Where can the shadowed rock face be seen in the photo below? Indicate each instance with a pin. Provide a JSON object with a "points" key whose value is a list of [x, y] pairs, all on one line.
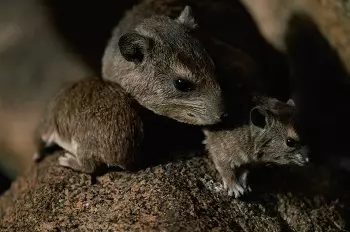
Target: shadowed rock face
{"points": [[180, 196], [86, 26]]}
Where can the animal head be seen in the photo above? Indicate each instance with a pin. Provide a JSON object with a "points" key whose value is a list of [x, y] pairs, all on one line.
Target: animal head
{"points": [[168, 71], [275, 137]]}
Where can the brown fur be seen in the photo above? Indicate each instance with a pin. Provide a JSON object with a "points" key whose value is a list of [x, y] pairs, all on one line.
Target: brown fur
{"points": [[95, 122], [262, 139], [150, 57], [226, 21]]}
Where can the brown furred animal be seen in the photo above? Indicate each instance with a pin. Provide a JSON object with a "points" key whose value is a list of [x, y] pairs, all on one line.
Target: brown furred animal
{"points": [[95, 122], [268, 137], [166, 69]]}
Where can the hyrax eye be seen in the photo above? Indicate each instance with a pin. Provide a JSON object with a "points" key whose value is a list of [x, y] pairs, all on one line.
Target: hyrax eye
{"points": [[184, 85], [292, 142]]}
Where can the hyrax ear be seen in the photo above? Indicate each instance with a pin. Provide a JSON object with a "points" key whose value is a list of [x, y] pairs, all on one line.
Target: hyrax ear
{"points": [[258, 117], [186, 18], [134, 47], [291, 102]]}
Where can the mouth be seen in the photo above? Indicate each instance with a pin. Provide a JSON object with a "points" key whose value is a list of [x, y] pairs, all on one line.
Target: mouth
{"points": [[301, 161], [200, 120], [191, 120], [210, 122], [191, 115]]}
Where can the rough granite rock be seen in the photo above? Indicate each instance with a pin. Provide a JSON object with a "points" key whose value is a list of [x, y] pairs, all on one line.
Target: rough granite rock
{"points": [[181, 196]]}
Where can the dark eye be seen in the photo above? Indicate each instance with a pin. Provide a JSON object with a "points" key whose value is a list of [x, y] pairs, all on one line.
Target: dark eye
{"points": [[292, 142], [184, 85]]}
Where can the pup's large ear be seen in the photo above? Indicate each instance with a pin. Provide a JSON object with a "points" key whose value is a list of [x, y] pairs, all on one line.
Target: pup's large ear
{"points": [[134, 47], [258, 117], [291, 102], [186, 18], [279, 108]]}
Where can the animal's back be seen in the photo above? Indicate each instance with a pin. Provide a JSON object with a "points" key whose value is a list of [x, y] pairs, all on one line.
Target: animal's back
{"points": [[230, 143], [99, 115]]}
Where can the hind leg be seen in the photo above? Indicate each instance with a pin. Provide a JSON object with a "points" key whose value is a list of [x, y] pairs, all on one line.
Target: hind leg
{"points": [[243, 181], [69, 161], [40, 152], [73, 162], [43, 143], [51, 139]]}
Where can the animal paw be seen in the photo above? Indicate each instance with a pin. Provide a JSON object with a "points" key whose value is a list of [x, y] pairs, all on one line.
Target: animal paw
{"points": [[68, 160], [237, 190], [243, 181], [36, 156], [234, 188]]}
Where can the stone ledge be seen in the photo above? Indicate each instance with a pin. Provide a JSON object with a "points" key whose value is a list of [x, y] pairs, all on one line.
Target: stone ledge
{"points": [[180, 196]]}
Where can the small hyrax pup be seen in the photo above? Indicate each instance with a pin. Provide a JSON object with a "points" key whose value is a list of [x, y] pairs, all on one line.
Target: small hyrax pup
{"points": [[166, 69], [95, 122], [268, 137]]}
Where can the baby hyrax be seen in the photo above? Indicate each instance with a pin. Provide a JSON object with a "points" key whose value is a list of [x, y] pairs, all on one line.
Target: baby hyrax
{"points": [[95, 122], [269, 136], [165, 68]]}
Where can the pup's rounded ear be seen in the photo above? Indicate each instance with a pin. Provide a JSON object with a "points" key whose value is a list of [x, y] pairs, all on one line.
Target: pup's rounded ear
{"points": [[134, 47], [186, 18], [258, 117], [280, 108], [291, 102]]}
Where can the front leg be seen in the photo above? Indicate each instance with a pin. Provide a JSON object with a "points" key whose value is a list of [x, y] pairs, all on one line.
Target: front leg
{"points": [[228, 175], [231, 184], [243, 180]]}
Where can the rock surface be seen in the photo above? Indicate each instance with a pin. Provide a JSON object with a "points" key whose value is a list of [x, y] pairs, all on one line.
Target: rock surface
{"points": [[181, 196]]}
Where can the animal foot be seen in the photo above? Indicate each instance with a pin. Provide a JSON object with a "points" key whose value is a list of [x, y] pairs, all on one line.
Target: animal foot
{"points": [[68, 160], [236, 189], [36, 157], [243, 181]]}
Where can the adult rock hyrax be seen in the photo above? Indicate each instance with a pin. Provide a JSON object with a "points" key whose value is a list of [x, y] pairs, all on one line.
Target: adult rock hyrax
{"points": [[95, 122], [166, 69], [268, 136]]}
